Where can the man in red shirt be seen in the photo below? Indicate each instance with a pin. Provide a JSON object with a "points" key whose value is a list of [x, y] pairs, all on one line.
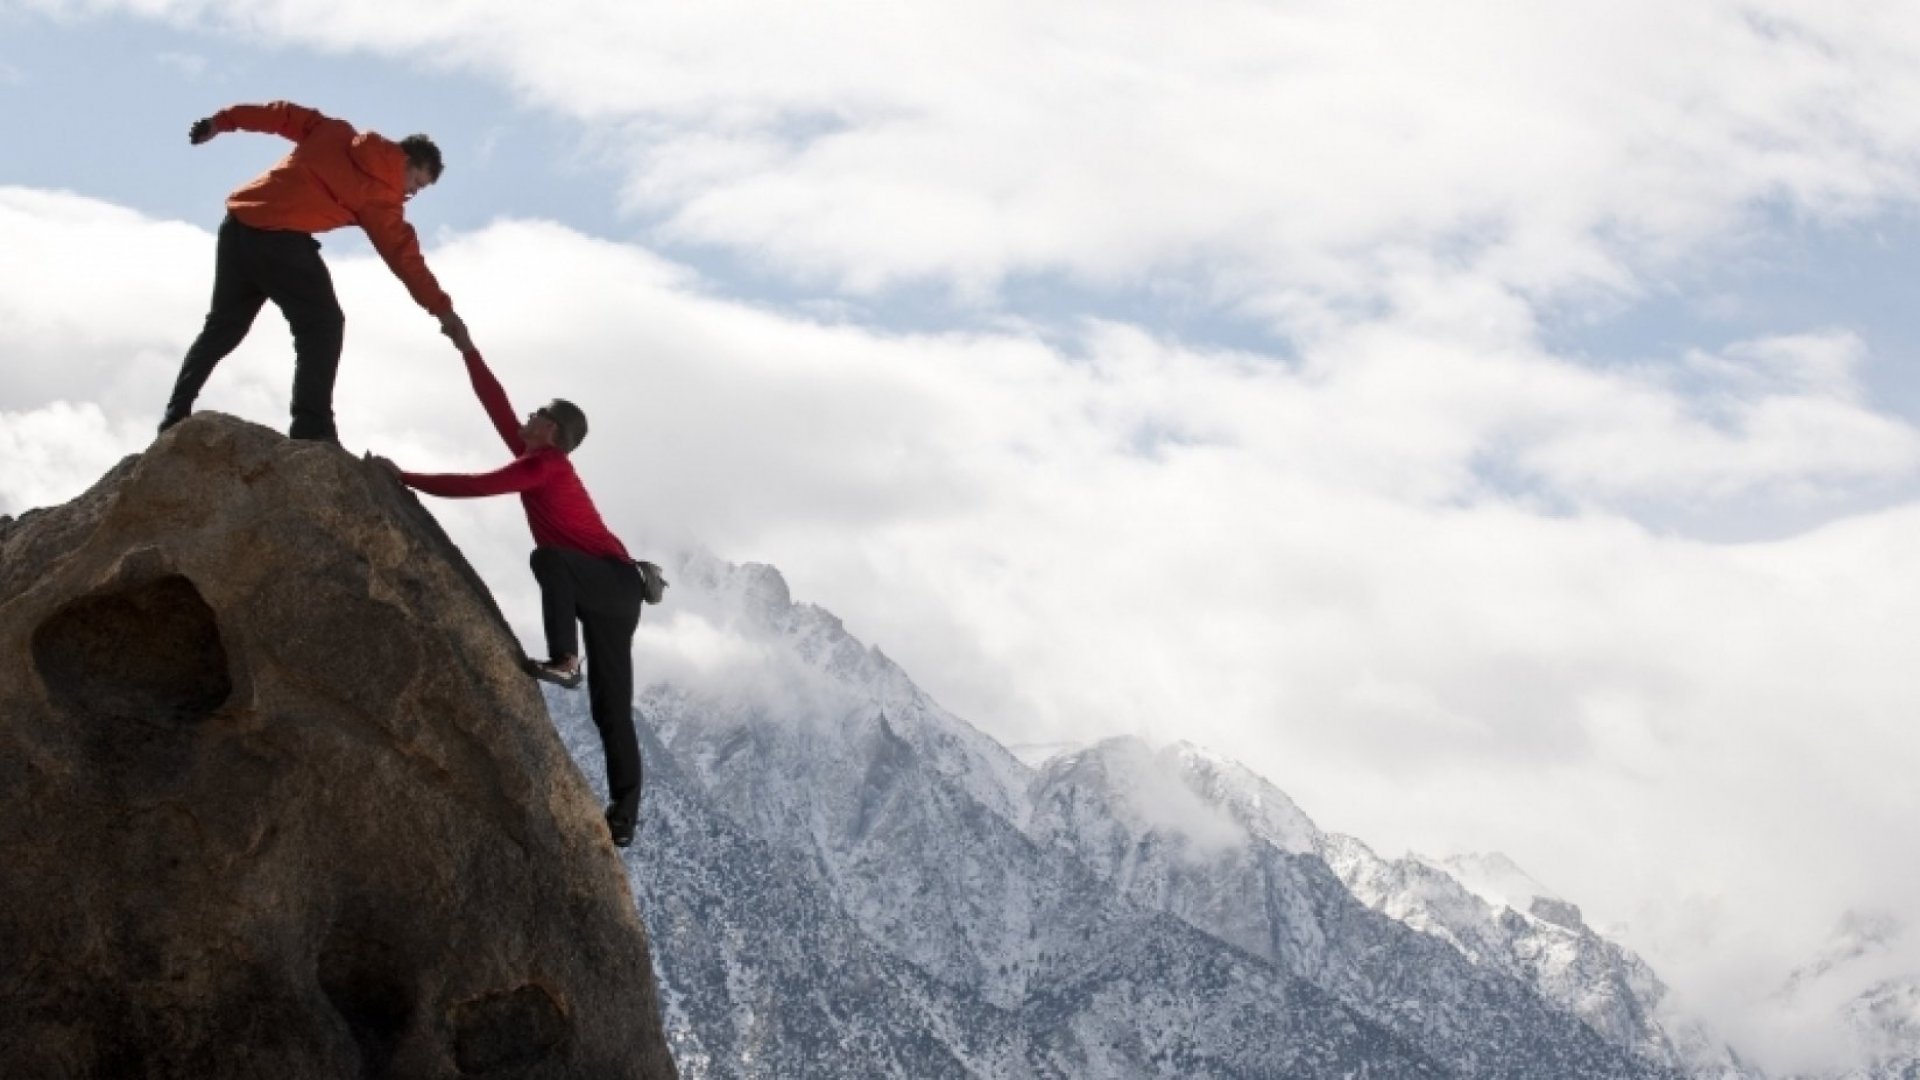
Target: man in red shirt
{"points": [[584, 571], [334, 177]]}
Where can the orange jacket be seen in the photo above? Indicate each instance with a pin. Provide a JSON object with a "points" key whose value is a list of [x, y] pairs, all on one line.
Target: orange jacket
{"points": [[333, 177]]}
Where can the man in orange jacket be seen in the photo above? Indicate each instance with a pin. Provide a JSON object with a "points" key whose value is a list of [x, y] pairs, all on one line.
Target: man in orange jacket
{"points": [[334, 176]]}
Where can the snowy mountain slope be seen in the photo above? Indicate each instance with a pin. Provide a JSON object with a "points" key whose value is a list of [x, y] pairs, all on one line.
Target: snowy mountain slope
{"points": [[1175, 830], [923, 868], [940, 882], [764, 972], [1503, 920], [761, 975], [813, 650], [805, 800], [1211, 1012]]}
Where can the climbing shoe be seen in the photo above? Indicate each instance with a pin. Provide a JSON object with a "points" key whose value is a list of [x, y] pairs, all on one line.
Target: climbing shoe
{"points": [[555, 672]]}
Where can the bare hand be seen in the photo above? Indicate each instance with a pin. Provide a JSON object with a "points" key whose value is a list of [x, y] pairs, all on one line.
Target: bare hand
{"points": [[201, 131], [452, 326]]}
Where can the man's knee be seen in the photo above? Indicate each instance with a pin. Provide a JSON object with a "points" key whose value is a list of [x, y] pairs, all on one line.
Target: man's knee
{"points": [[232, 321], [216, 340], [322, 326], [225, 325]]}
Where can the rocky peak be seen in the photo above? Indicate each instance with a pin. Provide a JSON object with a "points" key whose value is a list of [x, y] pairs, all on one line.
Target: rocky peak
{"points": [[278, 800], [1558, 912]]}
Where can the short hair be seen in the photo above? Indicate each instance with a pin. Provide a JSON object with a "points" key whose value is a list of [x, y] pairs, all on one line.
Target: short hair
{"points": [[421, 152], [571, 422]]}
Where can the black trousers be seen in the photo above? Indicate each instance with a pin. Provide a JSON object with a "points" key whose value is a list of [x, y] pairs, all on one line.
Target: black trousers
{"points": [[602, 595], [252, 266]]}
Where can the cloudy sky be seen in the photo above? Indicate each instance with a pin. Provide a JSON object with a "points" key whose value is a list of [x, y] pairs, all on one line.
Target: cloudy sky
{"points": [[1495, 421]]}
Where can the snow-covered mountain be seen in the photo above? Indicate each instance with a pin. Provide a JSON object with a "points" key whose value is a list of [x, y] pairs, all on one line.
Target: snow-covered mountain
{"points": [[1865, 976], [844, 879], [1500, 919], [1223, 850]]}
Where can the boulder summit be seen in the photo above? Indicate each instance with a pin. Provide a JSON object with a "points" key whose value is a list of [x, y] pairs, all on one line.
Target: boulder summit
{"points": [[275, 799]]}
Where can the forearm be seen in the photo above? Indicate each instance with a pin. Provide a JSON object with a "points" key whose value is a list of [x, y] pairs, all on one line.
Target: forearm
{"points": [[447, 485], [399, 247], [410, 266], [523, 474], [493, 398], [282, 118]]}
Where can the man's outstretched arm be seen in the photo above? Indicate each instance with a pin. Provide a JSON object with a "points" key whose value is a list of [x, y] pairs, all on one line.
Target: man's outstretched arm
{"points": [[282, 118], [386, 225], [493, 398], [522, 474]]}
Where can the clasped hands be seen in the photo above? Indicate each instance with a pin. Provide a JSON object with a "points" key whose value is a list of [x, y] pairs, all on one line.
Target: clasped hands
{"points": [[452, 326]]}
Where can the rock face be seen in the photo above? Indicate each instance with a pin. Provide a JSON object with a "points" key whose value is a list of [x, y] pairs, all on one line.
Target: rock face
{"points": [[276, 801]]}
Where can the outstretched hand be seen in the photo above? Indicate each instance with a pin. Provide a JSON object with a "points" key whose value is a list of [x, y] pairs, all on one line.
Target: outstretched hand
{"points": [[201, 131], [452, 326]]}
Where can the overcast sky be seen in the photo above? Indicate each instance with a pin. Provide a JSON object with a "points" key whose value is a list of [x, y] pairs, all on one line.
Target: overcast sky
{"points": [[1495, 421]]}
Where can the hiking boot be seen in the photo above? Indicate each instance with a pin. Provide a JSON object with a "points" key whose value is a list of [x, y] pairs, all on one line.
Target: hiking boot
{"points": [[620, 827], [565, 673]]}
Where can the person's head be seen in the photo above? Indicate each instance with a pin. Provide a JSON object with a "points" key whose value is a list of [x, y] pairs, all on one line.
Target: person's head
{"points": [[423, 163], [558, 423]]}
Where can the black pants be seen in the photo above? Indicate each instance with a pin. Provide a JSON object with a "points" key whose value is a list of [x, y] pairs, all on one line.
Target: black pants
{"points": [[251, 267], [604, 596]]}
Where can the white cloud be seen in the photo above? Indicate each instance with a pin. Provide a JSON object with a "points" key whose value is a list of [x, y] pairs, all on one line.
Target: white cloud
{"points": [[1271, 154], [76, 316], [1152, 788], [49, 455], [1784, 414]]}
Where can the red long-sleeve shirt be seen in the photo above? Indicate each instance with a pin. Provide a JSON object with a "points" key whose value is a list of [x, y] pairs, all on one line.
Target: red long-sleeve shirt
{"points": [[559, 510]]}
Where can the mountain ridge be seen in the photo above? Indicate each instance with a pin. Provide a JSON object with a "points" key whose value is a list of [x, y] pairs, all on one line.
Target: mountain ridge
{"points": [[1008, 885]]}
